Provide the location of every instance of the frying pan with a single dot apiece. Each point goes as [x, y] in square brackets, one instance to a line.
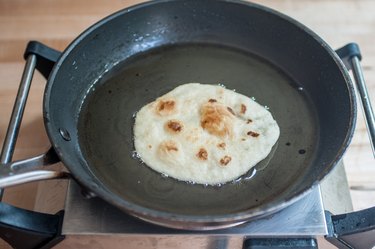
[135, 55]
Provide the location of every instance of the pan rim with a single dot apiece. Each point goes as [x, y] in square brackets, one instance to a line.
[165, 216]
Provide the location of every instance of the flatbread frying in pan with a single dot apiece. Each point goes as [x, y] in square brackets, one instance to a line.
[204, 133]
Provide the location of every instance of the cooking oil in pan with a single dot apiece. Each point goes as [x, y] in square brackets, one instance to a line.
[107, 119]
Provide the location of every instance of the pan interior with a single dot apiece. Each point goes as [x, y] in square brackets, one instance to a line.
[107, 118]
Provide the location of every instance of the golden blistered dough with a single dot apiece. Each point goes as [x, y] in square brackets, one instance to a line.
[204, 133]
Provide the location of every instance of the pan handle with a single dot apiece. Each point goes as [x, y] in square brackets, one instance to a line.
[351, 56]
[26, 170]
[13, 173]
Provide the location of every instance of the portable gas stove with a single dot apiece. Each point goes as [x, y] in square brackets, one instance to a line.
[92, 223]
[311, 222]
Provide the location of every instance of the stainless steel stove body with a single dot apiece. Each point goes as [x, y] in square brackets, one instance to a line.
[92, 223]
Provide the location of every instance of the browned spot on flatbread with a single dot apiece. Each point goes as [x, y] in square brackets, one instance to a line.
[202, 154]
[212, 100]
[225, 160]
[230, 110]
[174, 126]
[216, 119]
[249, 121]
[168, 146]
[253, 134]
[221, 145]
[243, 109]
[165, 107]
[149, 146]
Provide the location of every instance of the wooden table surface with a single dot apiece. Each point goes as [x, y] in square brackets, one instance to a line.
[57, 23]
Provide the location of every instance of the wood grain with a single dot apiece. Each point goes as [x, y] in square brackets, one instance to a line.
[57, 23]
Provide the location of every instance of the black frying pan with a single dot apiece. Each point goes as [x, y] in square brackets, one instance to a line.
[131, 57]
